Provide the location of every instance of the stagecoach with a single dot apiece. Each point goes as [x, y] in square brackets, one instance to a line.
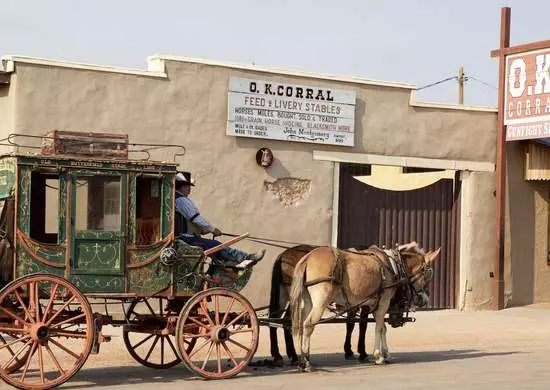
[87, 240]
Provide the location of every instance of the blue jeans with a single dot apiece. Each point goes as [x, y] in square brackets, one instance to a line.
[225, 254]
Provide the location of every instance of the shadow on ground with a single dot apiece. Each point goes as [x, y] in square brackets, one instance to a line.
[127, 375]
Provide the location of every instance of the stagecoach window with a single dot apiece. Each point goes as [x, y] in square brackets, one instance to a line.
[98, 203]
[147, 210]
[44, 212]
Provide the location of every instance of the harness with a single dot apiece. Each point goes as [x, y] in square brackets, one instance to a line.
[393, 272]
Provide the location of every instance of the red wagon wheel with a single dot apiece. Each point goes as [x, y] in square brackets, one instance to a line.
[225, 327]
[47, 327]
[148, 338]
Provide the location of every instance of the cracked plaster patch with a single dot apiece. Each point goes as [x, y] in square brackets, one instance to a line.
[289, 191]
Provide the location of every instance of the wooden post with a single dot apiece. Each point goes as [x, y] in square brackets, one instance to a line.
[461, 85]
[498, 291]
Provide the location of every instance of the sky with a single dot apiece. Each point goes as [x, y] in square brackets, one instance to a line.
[408, 41]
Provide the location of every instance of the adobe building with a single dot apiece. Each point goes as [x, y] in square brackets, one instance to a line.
[310, 159]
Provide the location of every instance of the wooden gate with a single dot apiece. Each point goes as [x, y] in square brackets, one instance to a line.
[429, 215]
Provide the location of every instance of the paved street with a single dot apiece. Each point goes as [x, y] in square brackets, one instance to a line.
[443, 349]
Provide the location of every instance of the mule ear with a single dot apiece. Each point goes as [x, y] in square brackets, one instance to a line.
[432, 255]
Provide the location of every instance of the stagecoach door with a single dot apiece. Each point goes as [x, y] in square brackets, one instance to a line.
[98, 225]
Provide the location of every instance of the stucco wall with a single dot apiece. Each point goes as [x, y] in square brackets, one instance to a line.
[190, 108]
[7, 112]
[526, 256]
[477, 249]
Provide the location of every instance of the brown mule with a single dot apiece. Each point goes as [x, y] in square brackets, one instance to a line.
[355, 279]
[281, 279]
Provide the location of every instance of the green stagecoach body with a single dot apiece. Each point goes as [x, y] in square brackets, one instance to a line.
[100, 223]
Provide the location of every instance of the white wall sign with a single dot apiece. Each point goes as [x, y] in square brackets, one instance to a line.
[302, 113]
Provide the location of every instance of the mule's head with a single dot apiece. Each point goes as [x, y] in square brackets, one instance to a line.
[419, 269]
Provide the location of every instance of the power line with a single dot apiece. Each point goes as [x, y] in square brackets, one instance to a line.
[437, 82]
[467, 78]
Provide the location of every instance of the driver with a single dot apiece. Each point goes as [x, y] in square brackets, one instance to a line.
[190, 225]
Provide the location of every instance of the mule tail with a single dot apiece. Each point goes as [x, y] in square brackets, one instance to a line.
[298, 292]
[276, 280]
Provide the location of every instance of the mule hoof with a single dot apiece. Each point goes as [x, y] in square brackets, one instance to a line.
[308, 368]
[363, 357]
[294, 361]
[349, 357]
[379, 362]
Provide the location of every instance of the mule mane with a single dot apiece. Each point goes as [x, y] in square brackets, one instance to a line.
[412, 247]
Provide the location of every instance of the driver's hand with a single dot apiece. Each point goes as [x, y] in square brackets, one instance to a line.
[216, 232]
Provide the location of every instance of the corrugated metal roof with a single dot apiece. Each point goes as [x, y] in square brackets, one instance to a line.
[537, 162]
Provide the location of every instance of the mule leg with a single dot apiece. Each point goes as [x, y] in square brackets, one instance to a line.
[290, 350]
[289, 344]
[275, 354]
[305, 309]
[350, 324]
[380, 329]
[362, 332]
[319, 295]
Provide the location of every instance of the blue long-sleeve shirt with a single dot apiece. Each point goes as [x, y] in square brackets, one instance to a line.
[187, 208]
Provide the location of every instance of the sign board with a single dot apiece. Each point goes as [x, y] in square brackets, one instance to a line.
[527, 95]
[280, 111]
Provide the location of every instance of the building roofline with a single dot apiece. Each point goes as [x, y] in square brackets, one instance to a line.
[156, 68]
[158, 58]
[10, 60]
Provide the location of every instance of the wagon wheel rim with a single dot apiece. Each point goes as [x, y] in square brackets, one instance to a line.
[151, 350]
[14, 344]
[51, 324]
[226, 331]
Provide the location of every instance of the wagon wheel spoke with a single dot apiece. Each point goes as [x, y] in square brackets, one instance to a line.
[13, 315]
[228, 311]
[207, 355]
[239, 345]
[10, 330]
[199, 348]
[25, 308]
[38, 307]
[246, 330]
[60, 310]
[14, 355]
[171, 345]
[56, 362]
[150, 308]
[58, 325]
[219, 358]
[162, 349]
[41, 363]
[24, 374]
[204, 307]
[50, 301]
[152, 348]
[142, 341]
[199, 323]
[237, 318]
[7, 345]
[217, 309]
[224, 345]
[67, 350]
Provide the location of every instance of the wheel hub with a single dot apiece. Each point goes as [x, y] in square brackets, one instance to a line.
[39, 331]
[220, 334]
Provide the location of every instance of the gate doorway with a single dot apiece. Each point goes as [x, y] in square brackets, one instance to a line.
[429, 215]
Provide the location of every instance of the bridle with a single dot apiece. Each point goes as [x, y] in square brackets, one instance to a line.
[418, 294]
